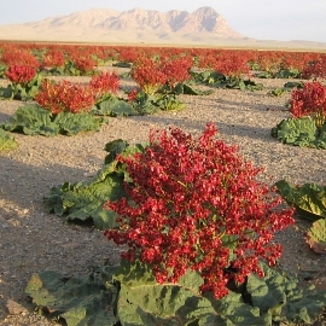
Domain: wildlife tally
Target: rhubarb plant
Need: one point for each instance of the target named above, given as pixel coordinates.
(32, 119)
(25, 83)
(308, 199)
(194, 203)
(128, 294)
(316, 236)
(7, 141)
(218, 80)
(83, 201)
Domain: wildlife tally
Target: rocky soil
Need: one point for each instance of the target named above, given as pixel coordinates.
(32, 240)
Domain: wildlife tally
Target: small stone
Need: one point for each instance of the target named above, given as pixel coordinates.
(15, 308)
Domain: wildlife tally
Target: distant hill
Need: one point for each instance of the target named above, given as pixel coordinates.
(204, 26)
(136, 25)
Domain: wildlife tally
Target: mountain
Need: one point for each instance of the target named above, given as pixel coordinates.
(202, 26)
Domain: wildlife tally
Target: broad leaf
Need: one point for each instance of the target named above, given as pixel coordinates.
(281, 296)
(7, 141)
(6, 92)
(316, 236)
(79, 301)
(308, 199)
(300, 132)
(84, 201)
(32, 120)
(114, 148)
(113, 107)
(72, 124)
(183, 88)
(142, 301)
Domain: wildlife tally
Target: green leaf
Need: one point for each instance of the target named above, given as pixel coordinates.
(309, 199)
(6, 92)
(7, 141)
(114, 148)
(113, 107)
(32, 120)
(183, 88)
(300, 132)
(316, 236)
(72, 124)
(282, 297)
(79, 301)
(142, 301)
(288, 73)
(278, 91)
(290, 85)
(84, 201)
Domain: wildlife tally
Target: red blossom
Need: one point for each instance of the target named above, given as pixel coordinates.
(65, 96)
(196, 204)
(104, 83)
(20, 74)
(310, 100)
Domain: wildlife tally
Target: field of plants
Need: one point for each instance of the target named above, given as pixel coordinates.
(162, 186)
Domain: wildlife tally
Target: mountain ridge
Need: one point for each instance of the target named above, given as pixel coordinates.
(202, 27)
(131, 25)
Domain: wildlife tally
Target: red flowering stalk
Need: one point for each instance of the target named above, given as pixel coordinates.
(195, 204)
(65, 96)
(18, 74)
(84, 64)
(149, 75)
(315, 68)
(104, 83)
(53, 59)
(177, 71)
(20, 57)
(232, 64)
(132, 96)
(311, 100)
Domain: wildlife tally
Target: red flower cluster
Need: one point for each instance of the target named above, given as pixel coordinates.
(53, 59)
(151, 75)
(197, 205)
(20, 74)
(65, 96)
(177, 70)
(311, 100)
(315, 69)
(21, 57)
(104, 83)
(84, 64)
(232, 64)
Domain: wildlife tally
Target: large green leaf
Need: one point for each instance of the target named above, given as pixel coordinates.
(114, 148)
(72, 124)
(113, 107)
(300, 132)
(183, 88)
(6, 92)
(7, 141)
(128, 294)
(316, 236)
(309, 199)
(79, 301)
(84, 201)
(142, 301)
(32, 119)
(281, 296)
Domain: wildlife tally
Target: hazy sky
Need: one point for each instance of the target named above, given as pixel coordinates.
(283, 20)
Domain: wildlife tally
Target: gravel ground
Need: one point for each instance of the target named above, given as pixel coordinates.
(31, 240)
